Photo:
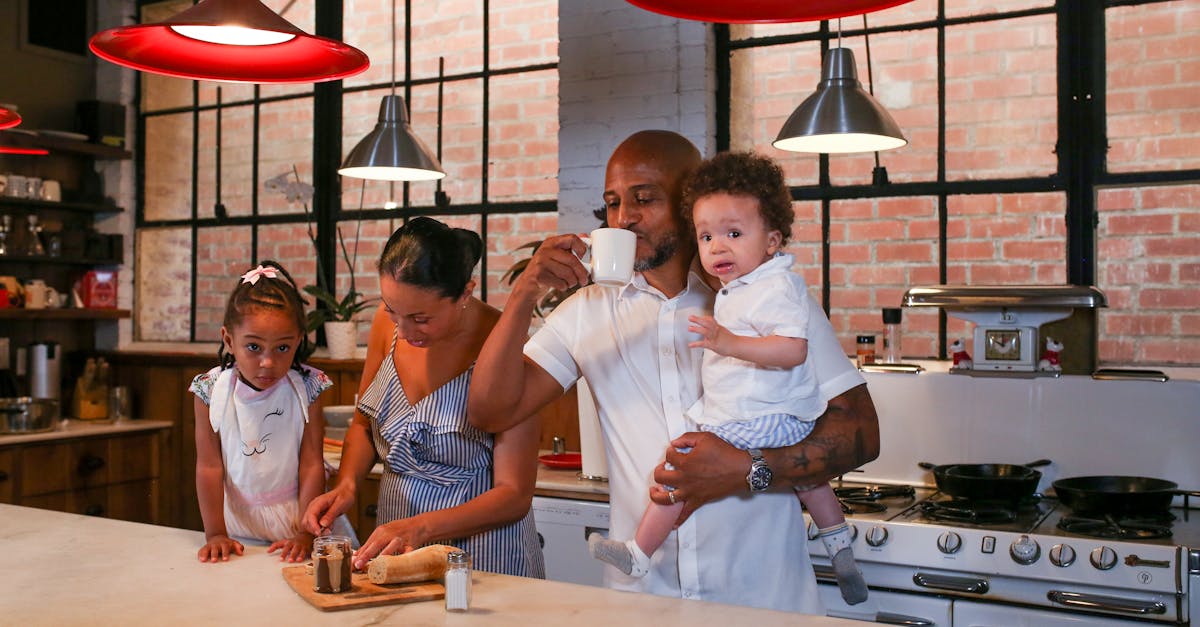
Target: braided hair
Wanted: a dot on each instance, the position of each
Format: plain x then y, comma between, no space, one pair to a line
280,294
429,254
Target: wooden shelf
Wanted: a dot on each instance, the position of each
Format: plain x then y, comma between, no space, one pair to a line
64,261
15,313
33,204
22,139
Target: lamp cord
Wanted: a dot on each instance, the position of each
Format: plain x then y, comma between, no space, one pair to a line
870,82
393,29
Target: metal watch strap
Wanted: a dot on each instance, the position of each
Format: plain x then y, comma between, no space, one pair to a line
759,477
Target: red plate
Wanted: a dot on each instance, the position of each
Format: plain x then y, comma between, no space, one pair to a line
565,461
762,11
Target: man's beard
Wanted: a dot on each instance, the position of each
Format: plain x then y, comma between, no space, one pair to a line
664,249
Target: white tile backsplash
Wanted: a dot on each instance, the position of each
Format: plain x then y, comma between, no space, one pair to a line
1085,426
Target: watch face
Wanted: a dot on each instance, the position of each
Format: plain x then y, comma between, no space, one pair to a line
760,477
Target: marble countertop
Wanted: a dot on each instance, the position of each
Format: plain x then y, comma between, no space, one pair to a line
73,428
66,569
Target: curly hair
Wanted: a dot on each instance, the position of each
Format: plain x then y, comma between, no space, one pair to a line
280,294
743,173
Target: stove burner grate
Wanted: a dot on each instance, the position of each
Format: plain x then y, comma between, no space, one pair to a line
976,512
875,492
1146,527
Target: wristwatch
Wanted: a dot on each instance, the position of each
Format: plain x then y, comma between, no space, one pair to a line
760,474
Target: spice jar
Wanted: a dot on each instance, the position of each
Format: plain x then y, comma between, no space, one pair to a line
331,558
866,350
458,581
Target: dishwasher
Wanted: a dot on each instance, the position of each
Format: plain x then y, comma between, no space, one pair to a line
563,526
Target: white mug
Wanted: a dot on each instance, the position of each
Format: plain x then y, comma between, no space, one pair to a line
36,294
51,190
612,252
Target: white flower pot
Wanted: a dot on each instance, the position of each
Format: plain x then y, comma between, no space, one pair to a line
342,339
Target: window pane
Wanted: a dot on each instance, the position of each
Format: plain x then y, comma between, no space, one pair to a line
168,167
1152,96
523,132
1001,111
963,8
768,84
523,33
158,91
163,285
448,28
506,234
365,23
222,255
206,164
1149,268
237,125
285,141
462,140
878,249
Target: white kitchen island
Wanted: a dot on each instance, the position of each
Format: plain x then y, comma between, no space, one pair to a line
66,569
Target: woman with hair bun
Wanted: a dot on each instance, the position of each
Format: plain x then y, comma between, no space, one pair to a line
444,481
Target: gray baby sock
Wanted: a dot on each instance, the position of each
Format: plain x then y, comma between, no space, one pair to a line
850,580
625,556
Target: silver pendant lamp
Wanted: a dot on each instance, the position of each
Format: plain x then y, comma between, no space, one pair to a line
840,117
392,151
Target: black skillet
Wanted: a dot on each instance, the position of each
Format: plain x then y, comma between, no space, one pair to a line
987,482
1118,495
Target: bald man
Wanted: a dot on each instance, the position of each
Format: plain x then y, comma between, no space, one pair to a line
743,546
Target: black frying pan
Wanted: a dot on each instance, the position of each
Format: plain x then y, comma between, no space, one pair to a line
987,482
1117,495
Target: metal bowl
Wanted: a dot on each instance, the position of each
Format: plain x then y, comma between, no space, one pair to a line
338,415
28,415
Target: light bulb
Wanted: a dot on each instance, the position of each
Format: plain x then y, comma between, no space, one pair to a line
233,35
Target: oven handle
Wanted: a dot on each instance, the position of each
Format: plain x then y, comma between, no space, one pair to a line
888,618
953,584
1112,604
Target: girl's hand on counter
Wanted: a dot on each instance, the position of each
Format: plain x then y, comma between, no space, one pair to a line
293,549
219,548
324,509
394,538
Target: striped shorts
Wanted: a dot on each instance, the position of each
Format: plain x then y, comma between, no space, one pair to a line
770,431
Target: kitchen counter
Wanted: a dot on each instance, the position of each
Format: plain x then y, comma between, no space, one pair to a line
73,428
69,569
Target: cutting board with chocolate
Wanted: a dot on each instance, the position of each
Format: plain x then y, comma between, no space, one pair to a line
362,593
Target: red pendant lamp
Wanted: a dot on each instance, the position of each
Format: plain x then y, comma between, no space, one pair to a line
240,41
763,11
9,116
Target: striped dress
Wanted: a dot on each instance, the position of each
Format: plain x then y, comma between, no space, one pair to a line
434,460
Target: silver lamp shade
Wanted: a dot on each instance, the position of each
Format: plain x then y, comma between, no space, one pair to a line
840,117
392,152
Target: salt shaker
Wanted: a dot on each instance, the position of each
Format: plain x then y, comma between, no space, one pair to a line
891,335
458,581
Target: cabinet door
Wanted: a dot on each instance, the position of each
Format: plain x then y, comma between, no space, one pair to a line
8,476
133,457
45,468
368,507
90,463
136,501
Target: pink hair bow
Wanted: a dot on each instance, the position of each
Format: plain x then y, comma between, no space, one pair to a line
252,276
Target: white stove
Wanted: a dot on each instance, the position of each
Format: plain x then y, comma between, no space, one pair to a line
1025,571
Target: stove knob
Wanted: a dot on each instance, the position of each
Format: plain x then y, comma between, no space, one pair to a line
949,542
1025,550
1104,558
877,535
1062,555
853,532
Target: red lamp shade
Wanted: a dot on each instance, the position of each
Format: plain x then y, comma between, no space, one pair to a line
763,11
8,117
239,41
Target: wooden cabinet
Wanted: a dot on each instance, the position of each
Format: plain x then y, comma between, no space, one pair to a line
114,475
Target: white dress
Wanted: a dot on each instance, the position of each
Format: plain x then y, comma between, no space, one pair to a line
260,432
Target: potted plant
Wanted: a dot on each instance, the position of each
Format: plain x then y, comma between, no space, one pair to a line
331,313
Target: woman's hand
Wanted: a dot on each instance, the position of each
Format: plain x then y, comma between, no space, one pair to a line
324,509
219,548
394,538
293,549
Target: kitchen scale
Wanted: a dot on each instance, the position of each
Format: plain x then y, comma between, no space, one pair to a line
1007,317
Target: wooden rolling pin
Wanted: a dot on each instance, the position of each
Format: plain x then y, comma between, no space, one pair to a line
424,564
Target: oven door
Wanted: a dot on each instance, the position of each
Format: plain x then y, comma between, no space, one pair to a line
889,608
973,614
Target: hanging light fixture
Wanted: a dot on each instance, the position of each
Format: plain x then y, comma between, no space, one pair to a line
9,116
240,41
392,151
840,117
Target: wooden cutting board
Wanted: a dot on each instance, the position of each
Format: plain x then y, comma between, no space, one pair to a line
363,593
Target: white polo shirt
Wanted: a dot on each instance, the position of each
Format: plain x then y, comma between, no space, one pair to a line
631,345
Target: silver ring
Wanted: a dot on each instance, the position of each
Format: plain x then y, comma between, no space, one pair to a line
671,496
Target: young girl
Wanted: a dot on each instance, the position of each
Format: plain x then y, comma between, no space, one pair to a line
758,390
258,435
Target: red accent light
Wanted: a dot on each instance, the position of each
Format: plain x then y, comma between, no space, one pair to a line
13,150
763,11
9,118
158,49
